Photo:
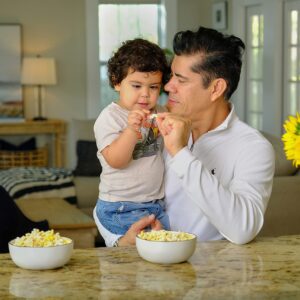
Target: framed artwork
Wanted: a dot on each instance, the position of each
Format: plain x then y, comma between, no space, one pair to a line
219,15
11,100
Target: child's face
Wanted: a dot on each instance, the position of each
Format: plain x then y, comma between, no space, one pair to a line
139,90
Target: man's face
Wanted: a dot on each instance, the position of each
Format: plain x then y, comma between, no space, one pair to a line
187,96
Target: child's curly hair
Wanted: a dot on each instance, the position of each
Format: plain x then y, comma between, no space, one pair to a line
139,55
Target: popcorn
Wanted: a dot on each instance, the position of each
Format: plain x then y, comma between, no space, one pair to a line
165,236
39,238
153,116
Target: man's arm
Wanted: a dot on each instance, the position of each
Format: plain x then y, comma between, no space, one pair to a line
237,210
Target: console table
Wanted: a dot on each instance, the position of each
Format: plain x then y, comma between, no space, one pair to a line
57,128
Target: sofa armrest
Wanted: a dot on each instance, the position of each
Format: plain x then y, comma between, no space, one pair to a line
87,190
282,214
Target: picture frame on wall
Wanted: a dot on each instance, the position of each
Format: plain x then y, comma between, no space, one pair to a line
219,15
11,96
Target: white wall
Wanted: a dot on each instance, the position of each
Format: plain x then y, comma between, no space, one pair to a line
53,28
193,13
57,28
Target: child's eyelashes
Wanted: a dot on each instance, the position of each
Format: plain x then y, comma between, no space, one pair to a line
154,87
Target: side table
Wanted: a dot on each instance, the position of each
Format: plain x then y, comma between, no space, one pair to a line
57,128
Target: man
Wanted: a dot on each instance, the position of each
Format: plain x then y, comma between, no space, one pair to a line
219,171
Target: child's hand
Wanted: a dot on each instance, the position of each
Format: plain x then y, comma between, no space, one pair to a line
136,118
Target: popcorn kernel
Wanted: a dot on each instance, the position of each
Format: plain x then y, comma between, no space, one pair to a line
165,236
39,238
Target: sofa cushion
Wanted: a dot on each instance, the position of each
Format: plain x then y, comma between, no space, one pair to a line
87,161
283,167
35,182
282,214
83,129
29,144
87,190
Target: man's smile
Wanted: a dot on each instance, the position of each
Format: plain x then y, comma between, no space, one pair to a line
172,101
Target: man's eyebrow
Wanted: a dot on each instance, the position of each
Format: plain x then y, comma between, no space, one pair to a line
181,76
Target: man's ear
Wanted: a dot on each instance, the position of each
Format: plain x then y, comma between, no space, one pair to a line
219,86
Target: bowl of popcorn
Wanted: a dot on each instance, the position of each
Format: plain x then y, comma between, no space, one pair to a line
165,247
40,250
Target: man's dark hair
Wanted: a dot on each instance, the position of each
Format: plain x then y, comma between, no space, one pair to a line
139,55
220,56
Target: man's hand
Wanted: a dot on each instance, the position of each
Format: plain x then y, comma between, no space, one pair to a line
137,227
175,131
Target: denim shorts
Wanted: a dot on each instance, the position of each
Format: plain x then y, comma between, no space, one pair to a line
117,217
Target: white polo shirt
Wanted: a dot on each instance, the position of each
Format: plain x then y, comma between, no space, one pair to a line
220,185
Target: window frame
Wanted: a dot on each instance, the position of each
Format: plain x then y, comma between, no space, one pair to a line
251,11
272,61
105,90
92,42
290,5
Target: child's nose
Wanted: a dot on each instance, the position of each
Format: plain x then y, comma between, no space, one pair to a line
146,93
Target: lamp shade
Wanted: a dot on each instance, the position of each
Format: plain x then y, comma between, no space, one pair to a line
38,71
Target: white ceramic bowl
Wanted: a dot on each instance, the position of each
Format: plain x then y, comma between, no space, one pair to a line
166,252
40,258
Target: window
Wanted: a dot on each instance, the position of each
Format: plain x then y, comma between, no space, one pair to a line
254,71
277,81
120,22
292,58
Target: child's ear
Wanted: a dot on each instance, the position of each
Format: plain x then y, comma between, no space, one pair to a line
117,87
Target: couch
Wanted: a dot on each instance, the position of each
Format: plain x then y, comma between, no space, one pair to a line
86,185
282,216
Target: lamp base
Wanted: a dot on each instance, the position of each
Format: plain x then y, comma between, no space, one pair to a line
39,119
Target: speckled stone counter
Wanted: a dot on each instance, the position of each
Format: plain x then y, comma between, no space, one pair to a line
267,268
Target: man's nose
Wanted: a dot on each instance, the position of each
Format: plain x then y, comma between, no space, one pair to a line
169,86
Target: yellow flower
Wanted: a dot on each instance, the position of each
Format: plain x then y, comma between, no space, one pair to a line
291,139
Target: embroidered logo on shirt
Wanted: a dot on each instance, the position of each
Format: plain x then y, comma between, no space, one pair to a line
213,171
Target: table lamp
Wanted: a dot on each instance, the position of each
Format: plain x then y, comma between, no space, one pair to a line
38,71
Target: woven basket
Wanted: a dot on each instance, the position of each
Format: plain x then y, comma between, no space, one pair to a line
32,158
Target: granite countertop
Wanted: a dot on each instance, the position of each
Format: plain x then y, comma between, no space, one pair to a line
267,268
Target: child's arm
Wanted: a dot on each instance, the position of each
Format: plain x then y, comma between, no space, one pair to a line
119,153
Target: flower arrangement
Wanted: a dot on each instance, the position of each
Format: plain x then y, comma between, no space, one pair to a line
291,139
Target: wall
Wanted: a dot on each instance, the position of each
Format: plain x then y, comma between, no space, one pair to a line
53,28
57,28
193,13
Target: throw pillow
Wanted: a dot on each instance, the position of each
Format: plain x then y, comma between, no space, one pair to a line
87,161
29,144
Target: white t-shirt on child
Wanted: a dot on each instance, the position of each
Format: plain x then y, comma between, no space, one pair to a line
142,179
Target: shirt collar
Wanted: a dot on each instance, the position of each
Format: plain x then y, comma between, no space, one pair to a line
232,117
228,121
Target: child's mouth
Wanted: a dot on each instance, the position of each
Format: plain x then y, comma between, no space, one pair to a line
144,105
